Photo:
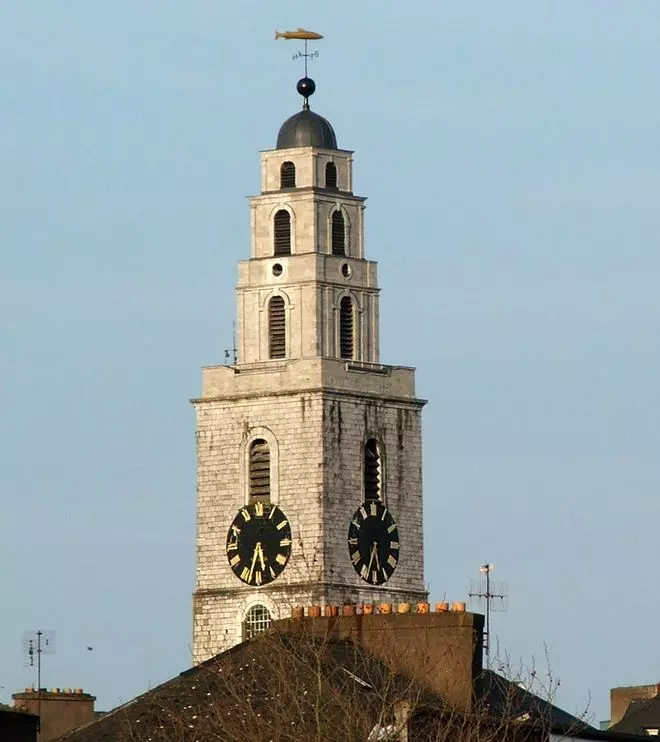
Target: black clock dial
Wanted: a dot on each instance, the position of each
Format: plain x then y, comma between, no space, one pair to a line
259,543
373,543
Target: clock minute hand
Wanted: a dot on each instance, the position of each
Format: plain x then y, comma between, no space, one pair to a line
371,557
254,560
375,550
261,557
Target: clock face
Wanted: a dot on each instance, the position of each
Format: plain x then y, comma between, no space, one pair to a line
259,543
373,543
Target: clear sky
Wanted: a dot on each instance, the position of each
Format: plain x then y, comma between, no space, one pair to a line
510,154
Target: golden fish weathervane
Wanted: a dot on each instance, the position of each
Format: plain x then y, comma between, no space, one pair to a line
299,33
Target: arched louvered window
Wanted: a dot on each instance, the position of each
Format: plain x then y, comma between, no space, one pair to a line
259,465
288,175
331,175
373,471
257,619
346,328
338,233
282,244
276,328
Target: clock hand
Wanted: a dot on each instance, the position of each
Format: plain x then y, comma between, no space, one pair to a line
261,557
371,557
254,560
375,549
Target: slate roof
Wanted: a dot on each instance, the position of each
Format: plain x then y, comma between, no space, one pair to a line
277,687
511,700
239,695
640,715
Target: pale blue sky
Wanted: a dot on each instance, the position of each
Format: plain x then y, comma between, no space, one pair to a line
509,152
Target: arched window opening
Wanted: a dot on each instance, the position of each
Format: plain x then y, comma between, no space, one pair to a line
282,233
276,328
373,471
338,233
257,619
288,175
346,328
259,486
331,175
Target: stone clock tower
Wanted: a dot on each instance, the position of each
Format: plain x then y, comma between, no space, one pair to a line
309,450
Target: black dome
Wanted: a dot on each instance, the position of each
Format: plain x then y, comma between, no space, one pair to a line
306,129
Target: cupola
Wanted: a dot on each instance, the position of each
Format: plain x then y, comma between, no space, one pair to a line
306,128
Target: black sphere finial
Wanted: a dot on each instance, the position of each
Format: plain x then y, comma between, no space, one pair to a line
306,87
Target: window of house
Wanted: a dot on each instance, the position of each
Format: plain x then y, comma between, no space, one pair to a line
331,175
373,471
346,328
259,471
338,233
276,328
257,619
287,175
282,244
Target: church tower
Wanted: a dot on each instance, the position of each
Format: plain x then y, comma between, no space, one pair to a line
309,450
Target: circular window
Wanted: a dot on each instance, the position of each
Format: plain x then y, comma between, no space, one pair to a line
277,269
346,270
257,620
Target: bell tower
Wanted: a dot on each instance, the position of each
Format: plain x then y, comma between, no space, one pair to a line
309,481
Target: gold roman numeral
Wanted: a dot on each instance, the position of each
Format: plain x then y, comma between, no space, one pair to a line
246,514
373,509
352,542
259,509
392,528
257,578
355,557
364,572
281,559
234,560
394,544
391,561
364,512
285,542
245,574
282,524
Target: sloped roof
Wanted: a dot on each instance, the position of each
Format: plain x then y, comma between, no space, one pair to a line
272,687
640,715
278,686
511,700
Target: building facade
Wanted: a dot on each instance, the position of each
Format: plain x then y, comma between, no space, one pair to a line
309,450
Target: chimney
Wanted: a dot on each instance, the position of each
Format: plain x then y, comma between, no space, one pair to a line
620,698
61,710
443,647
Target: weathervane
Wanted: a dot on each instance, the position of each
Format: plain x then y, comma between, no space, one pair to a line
301,34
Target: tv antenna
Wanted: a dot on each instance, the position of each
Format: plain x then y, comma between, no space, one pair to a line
232,352
491,594
35,644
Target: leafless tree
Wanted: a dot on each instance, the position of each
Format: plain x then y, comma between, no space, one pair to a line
307,686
